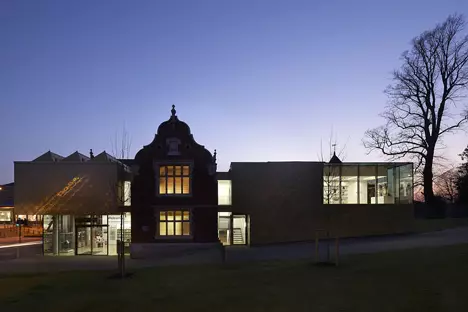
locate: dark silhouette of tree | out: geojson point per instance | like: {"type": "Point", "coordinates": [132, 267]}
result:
{"type": "Point", "coordinates": [446, 185]}
{"type": "Point", "coordinates": [462, 183]}
{"type": "Point", "coordinates": [423, 98]}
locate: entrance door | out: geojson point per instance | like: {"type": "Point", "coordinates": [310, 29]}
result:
{"type": "Point", "coordinates": [83, 240]}
{"type": "Point", "coordinates": [99, 240]}
{"type": "Point", "coordinates": [91, 240]}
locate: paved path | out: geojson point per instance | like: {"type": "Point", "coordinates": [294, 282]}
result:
{"type": "Point", "coordinates": [350, 246]}
{"type": "Point", "coordinates": [36, 264]}
{"type": "Point", "coordinates": [5, 241]}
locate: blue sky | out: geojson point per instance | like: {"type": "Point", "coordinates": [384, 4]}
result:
{"type": "Point", "coordinates": [256, 80]}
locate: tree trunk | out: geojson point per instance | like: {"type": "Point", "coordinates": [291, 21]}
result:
{"type": "Point", "coordinates": [435, 207]}
{"type": "Point", "coordinates": [428, 176]}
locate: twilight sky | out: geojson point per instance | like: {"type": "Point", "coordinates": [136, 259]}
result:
{"type": "Point", "coordinates": [256, 80]}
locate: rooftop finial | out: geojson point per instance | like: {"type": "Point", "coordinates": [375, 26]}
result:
{"type": "Point", "coordinates": [173, 111]}
{"type": "Point", "coordinates": [334, 149]}
{"type": "Point", "coordinates": [214, 156]}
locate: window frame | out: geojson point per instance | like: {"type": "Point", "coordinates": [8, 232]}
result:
{"type": "Point", "coordinates": [174, 221]}
{"type": "Point", "coordinates": [157, 168]}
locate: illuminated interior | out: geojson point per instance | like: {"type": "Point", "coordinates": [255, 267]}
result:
{"type": "Point", "coordinates": [85, 235]}
{"type": "Point", "coordinates": [224, 192]}
{"type": "Point", "coordinates": [127, 193]}
{"type": "Point", "coordinates": [232, 228]}
{"type": "Point", "coordinates": [367, 184]}
{"type": "Point", "coordinates": [5, 216]}
{"type": "Point", "coordinates": [174, 223]}
{"type": "Point", "coordinates": [174, 180]}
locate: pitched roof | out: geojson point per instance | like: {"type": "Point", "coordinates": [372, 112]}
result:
{"type": "Point", "coordinates": [76, 156]}
{"type": "Point", "coordinates": [49, 156]}
{"type": "Point", "coordinates": [104, 156]}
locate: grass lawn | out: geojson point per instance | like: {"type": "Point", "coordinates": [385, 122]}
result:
{"type": "Point", "coordinates": [433, 279]}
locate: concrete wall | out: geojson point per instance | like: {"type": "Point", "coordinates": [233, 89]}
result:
{"type": "Point", "coordinates": [65, 188]}
{"type": "Point", "coordinates": [284, 201]}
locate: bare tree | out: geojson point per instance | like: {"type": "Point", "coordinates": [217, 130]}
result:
{"type": "Point", "coordinates": [121, 145]}
{"type": "Point", "coordinates": [423, 98]}
{"type": "Point", "coordinates": [331, 182]}
{"type": "Point", "coordinates": [445, 185]}
{"type": "Point", "coordinates": [331, 174]}
{"type": "Point", "coordinates": [462, 181]}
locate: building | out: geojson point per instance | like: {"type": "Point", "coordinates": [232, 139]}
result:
{"type": "Point", "coordinates": [7, 203]}
{"type": "Point", "coordinates": [171, 196]}
{"type": "Point", "coordinates": [82, 200]}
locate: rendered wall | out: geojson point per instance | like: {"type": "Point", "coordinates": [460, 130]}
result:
{"type": "Point", "coordinates": [65, 188]}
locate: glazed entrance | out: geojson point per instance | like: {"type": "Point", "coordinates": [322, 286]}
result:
{"type": "Point", "coordinates": [85, 235]}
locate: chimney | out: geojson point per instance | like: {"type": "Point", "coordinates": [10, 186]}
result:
{"type": "Point", "coordinates": [91, 155]}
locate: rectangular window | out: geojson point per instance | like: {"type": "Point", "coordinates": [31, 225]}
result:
{"type": "Point", "coordinates": [127, 193]}
{"type": "Point", "coordinates": [174, 180]}
{"type": "Point", "coordinates": [224, 192]}
{"type": "Point", "coordinates": [174, 223]}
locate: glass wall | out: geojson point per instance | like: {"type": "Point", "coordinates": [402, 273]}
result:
{"type": "Point", "coordinates": [406, 183]}
{"type": "Point", "coordinates": [331, 184]}
{"type": "Point", "coordinates": [85, 235]}
{"type": "Point", "coordinates": [59, 234]}
{"type": "Point", "coordinates": [349, 185]}
{"type": "Point", "coordinates": [368, 183]}
{"type": "Point", "coordinates": [115, 231]}
{"type": "Point", "coordinates": [385, 184]}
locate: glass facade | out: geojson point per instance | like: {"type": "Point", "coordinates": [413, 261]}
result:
{"type": "Point", "coordinates": [85, 235]}
{"type": "Point", "coordinates": [331, 184]}
{"type": "Point", "coordinates": [5, 216]}
{"type": "Point", "coordinates": [381, 183]}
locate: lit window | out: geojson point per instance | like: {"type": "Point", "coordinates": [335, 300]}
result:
{"type": "Point", "coordinates": [174, 180]}
{"type": "Point", "coordinates": [224, 192]}
{"type": "Point", "coordinates": [127, 193]}
{"type": "Point", "coordinates": [174, 223]}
